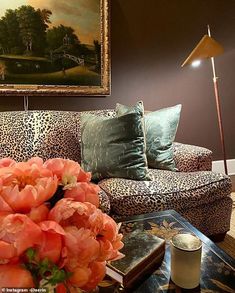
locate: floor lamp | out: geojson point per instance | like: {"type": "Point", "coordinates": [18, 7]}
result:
{"type": "Point", "coordinates": [209, 48]}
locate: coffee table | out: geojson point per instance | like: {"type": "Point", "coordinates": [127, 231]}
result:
{"type": "Point", "coordinates": [217, 268]}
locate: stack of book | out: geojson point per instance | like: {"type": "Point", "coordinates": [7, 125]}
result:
{"type": "Point", "coordinates": [143, 252]}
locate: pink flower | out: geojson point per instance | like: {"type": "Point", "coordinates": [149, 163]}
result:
{"type": "Point", "coordinates": [84, 176]}
{"type": "Point", "coordinates": [15, 276]}
{"type": "Point", "coordinates": [75, 235]}
{"type": "Point", "coordinates": [82, 247]}
{"type": "Point", "coordinates": [17, 233]}
{"type": "Point", "coordinates": [68, 212]}
{"type": "Point", "coordinates": [6, 176]}
{"type": "Point", "coordinates": [110, 240]}
{"type": "Point", "coordinates": [7, 162]}
{"type": "Point", "coordinates": [84, 192]}
{"type": "Point", "coordinates": [4, 206]}
{"type": "Point", "coordinates": [87, 278]}
{"type": "Point", "coordinates": [26, 185]}
{"type": "Point", "coordinates": [67, 171]}
{"type": "Point", "coordinates": [80, 276]}
{"type": "Point", "coordinates": [98, 270]}
{"type": "Point", "coordinates": [52, 241]}
{"type": "Point", "coordinates": [39, 213]}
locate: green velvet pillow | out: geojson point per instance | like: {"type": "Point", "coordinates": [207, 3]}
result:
{"type": "Point", "coordinates": [160, 131]}
{"type": "Point", "coordinates": [114, 147]}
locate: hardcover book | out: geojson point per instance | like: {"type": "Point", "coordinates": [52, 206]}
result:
{"type": "Point", "coordinates": [143, 254]}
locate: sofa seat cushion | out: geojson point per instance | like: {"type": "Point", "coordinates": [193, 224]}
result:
{"type": "Point", "coordinates": [167, 190]}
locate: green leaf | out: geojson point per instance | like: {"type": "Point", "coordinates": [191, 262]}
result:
{"type": "Point", "coordinates": [45, 270]}
{"type": "Point", "coordinates": [30, 253]}
{"type": "Point", "coordinates": [45, 262]}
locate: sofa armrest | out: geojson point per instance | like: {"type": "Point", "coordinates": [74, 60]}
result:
{"type": "Point", "coordinates": [190, 158]}
{"type": "Point", "coordinates": [104, 202]}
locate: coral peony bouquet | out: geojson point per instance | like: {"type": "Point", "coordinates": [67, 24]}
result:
{"type": "Point", "coordinates": [52, 233]}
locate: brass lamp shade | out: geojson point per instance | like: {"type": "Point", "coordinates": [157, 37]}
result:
{"type": "Point", "coordinates": [206, 48]}
{"type": "Point", "coordinates": [209, 48]}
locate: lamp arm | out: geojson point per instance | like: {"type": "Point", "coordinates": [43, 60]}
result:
{"type": "Point", "coordinates": [218, 108]}
{"type": "Point", "coordinates": [219, 114]}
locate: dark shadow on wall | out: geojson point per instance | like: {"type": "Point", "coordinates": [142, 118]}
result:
{"type": "Point", "coordinates": [149, 41]}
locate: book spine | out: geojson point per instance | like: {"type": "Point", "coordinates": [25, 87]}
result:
{"type": "Point", "coordinates": [146, 268]}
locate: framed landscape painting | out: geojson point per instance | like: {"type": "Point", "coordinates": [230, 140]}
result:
{"type": "Point", "coordinates": [54, 48]}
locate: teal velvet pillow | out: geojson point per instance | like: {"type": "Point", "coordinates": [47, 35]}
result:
{"type": "Point", "coordinates": [114, 147]}
{"type": "Point", "coordinates": [160, 131]}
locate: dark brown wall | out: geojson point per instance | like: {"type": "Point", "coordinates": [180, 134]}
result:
{"type": "Point", "coordinates": [150, 39]}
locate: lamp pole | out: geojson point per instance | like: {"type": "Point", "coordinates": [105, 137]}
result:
{"type": "Point", "coordinates": [218, 107]}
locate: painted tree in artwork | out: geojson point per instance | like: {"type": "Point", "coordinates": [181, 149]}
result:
{"type": "Point", "coordinates": [61, 36]}
{"type": "Point", "coordinates": [23, 30]}
{"type": "Point", "coordinates": [3, 37]}
{"type": "Point", "coordinates": [32, 29]}
{"type": "Point", "coordinates": [13, 40]}
{"type": "Point", "coordinates": [10, 41]}
{"type": "Point", "coordinates": [34, 50]}
{"type": "Point", "coordinates": [45, 14]}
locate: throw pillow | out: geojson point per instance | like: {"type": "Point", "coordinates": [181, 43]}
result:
{"type": "Point", "coordinates": [160, 131]}
{"type": "Point", "coordinates": [114, 147]}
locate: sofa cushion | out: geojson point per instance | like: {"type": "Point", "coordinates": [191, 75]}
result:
{"type": "Point", "coordinates": [160, 131]}
{"type": "Point", "coordinates": [167, 190]}
{"type": "Point", "coordinates": [114, 147]}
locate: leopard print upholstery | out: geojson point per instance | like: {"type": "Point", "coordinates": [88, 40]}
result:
{"type": "Point", "coordinates": [180, 191]}
{"type": "Point", "coordinates": [47, 134]}
{"type": "Point", "coordinates": [206, 218]}
{"type": "Point", "coordinates": [50, 134]}
{"type": "Point", "coordinates": [189, 158]}
{"type": "Point", "coordinates": [104, 202]}
{"type": "Point", "coordinates": [210, 220]}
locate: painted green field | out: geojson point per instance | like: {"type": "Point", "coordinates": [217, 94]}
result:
{"type": "Point", "coordinates": [21, 57]}
{"type": "Point", "coordinates": [79, 75]}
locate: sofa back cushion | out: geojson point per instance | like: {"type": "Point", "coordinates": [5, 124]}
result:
{"type": "Point", "coordinates": [160, 131]}
{"type": "Point", "coordinates": [47, 134]}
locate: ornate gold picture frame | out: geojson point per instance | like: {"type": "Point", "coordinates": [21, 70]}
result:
{"type": "Point", "coordinates": [54, 48]}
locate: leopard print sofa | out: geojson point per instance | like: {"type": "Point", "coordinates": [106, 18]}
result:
{"type": "Point", "coordinates": [198, 194]}
{"type": "Point", "coordinates": [184, 192]}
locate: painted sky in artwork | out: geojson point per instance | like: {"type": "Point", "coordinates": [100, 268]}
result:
{"type": "Point", "coordinates": [82, 15]}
